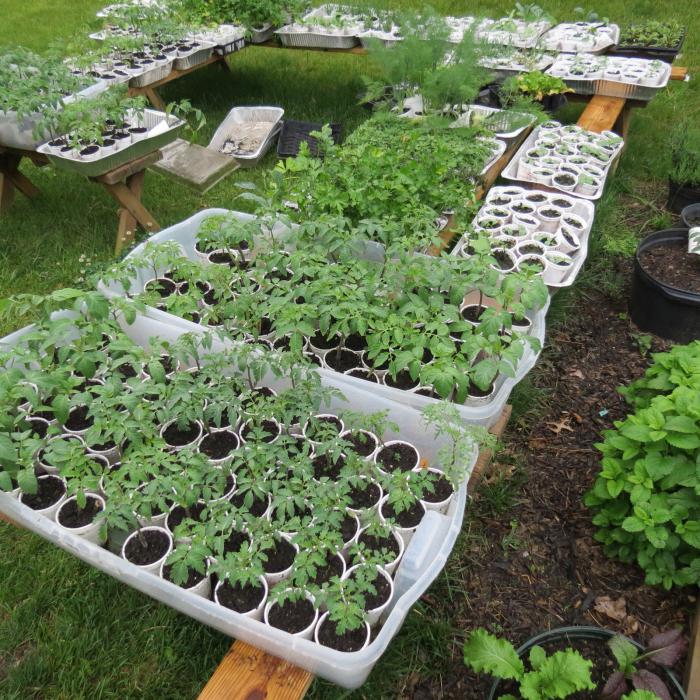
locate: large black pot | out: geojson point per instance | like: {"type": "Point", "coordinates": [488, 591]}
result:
{"type": "Point", "coordinates": [657, 307]}
{"type": "Point", "coordinates": [680, 195]}
{"type": "Point", "coordinates": [592, 633]}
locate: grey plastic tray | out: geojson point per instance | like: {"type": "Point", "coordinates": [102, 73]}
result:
{"type": "Point", "coordinates": [93, 168]}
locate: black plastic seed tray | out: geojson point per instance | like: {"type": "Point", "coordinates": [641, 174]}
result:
{"type": "Point", "coordinates": [667, 54]}
{"type": "Point", "coordinates": [295, 133]}
{"type": "Point", "coordinates": [230, 47]}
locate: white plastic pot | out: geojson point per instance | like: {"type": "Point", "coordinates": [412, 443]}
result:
{"type": "Point", "coordinates": [438, 506]}
{"type": "Point", "coordinates": [89, 532]}
{"type": "Point", "coordinates": [324, 617]}
{"type": "Point", "coordinates": [203, 588]}
{"type": "Point", "coordinates": [405, 533]}
{"type": "Point", "coordinates": [556, 271]}
{"type": "Point", "coordinates": [322, 415]}
{"type": "Point", "coordinates": [257, 612]}
{"type": "Point", "coordinates": [359, 512]}
{"type": "Point", "coordinates": [372, 437]}
{"type": "Point", "coordinates": [276, 576]}
{"type": "Point", "coordinates": [48, 468]}
{"type": "Point", "coordinates": [177, 448]}
{"type": "Point", "coordinates": [307, 632]}
{"type": "Point", "coordinates": [374, 615]}
{"type": "Point", "coordinates": [390, 566]}
{"type": "Point", "coordinates": [50, 511]}
{"type": "Point", "coordinates": [389, 443]}
{"type": "Point", "coordinates": [154, 567]}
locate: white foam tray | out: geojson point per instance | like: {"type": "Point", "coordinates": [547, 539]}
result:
{"type": "Point", "coordinates": [423, 559]}
{"type": "Point", "coordinates": [580, 207]}
{"type": "Point", "coordinates": [510, 172]}
{"type": "Point", "coordinates": [580, 37]}
{"type": "Point", "coordinates": [485, 414]}
{"type": "Point", "coordinates": [523, 35]}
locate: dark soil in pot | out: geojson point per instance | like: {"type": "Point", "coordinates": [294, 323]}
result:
{"type": "Point", "coordinates": [38, 427]}
{"type": "Point", "coordinates": [403, 380]}
{"type": "Point", "coordinates": [364, 497]}
{"type": "Point", "coordinates": [89, 150]}
{"type": "Point", "coordinates": [363, 443]}
{"type": "Point", "coordinates": [442, 489]}
{"type": "Point", "coordinates": [361, 373]}
{"type": "Point", "coordinates": [503, 260]}
{"type": "Point", "coordinates": [126, 371]}
{"type": "Point", "coordinates": [473, 313]}
{"type": "Point", "coordinates": [269, 427]}
{"type": "Point", "coordinates": [331, 567]}
{"type": "Point", "coordinates": [153, 547]}
{"type": "Point", "coordinates": [223, 258]}
{"type": "Point", "coordinates": [279, 557]}
{"type": "Point", "coordinates": [72, 516]}
{"type": "Point", "coordinates": [356, 342]}
{"type": "Point", "coordinates": [562, 203]}
{"type": "Point", "coordinates": [228, 485]}
{"type": "Point", "coordinates": [177, 437]}
{"type": "Point", "coordinates": [320, 341]}
{"type": "Point", "coordinates": [383, 591]}
{"type": "Point", "coordinates": [323, 426]}
{"type": "Point", "coordinates": [323, 466]}
{"type": "Point", "coordinates": [49, 491]}
{"type": "Point", "coordinates": [137, 129]}
{"type": "Point", "coordinates": [242, 599]}
{"type": "Point", "coordinates": [257, 507]}
{"type": "Point", "coordinates": [342, 361]}
{"type": "Point", "coordinates": [178, 514]}
{"type": "Point", "coordinates": [292, 616]}
{"type": "Point", "coordinates": [351, 640]}
{"type": "Point", "coordinates": [478, 393]}
{"type": "Point", "coordinates": [408, 518]}
{"type": "Point", "coordinates": [348, 528]}
{"type": "Point", "coordinates": [219, 444]}
{"type": "Point", "coordinates": [193, 577]}
{"type": "Point", "coordinates": [78, 419]}
{"type": "Point", "coordinates": [235, 541]}
{"type": "Point", "coordinates": [672, 264]}
{"type": "Point", "coordinates": [378, 544]}
{"type": "Point", "coordinates": [395, 457]}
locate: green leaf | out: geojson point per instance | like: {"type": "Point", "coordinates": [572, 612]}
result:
{"type": "Point", "coordinates": [684, 442]}
{"type": "Point", "coordinates": [562, 674]}
{"type": "Point", "coordinates": [681, 424]}
{"type": "Point", "coordinates": [537, 656]}
{"type": "Point", "coordinates": [484, 652]}
{"type": "Point", "coordinates": [632, 524]}
{"type": "Point", "coordinates": [624, 652]}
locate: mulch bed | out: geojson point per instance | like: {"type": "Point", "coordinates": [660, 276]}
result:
{"type": "Point", "coordinates": [536, 567]}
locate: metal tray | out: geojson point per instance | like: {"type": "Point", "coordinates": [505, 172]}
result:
{"type": "Point", "coordinates": [196, 57]}
{"type": "Point", "coordinates": [94, 168]}
{"type": "Point", "coordinates": [315, 40]}
{"type": "Point", "coordinates": [510, 172]}
{"type": "Point", "coordinates": [509, 65]}
{"type": "Point", "coordinates": [581, 85]}
{"type": "Point", "coordinates": [497, 153]}
{"type": "Point", "coordinates": [152, 75]}
{"type": "Point", "coordinates": [582, 208]}
{"type": "Point", "coordinates": [242, 115]}
{"type": "Point", "coordinates": [551, 39]}
{"type": "Point", "coordinates": [482, 109]}
{"type": "Point", "coordinates": [262, 34]}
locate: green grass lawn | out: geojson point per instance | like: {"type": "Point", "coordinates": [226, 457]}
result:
{"type": "Point", "coordinates": [69, 632]}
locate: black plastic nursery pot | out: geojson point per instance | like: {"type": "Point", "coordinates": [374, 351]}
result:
{"type": "Point", "coordinates": [658, 307]}
{"type": "Point", "coordinates": [690, 216]}
{"type": "Point", "coordinates": [583, 632]}
{"type": "Point", "coordinates": [294, 133]}
{"type": "Point", "coordinates": [681, 195]}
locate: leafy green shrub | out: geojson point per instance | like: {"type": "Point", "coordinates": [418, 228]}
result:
{"type": "Point", "coordinates": [647, 496]}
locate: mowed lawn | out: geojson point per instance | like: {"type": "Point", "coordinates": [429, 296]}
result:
{"type": "Point", "coordinates": [68, 632]}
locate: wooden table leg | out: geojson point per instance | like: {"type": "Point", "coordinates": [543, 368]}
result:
{"type": "Point", "coordinates": [131, 212]}
{"type": "Point", "coordinates": [623, 121]}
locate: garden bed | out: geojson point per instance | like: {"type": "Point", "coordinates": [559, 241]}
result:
{"type": "Point", "coordinates": [515, 589]}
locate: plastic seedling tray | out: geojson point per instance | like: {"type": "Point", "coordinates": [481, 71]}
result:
{"type": "Point", "coordinates": [480, 111]}
{"type": "Point", "coordinates": [226, 38]}
{"type": "Point", "coordinates": [512, 63]}
{"type": "Point", "coordinates": [152, 75]}
{"type": "Point", "coordinates": [580, 37]}
{"type": "Point", "coordinates": [515, 169]}
{"type": "Point", "coordinates": [423, 559]}
{"type": "Point", "coordinates": [195, 57]}
{"type": "Point", "coordinates": [512, 32]}
{"type": "Point", "coordinates": [667, 54]}
{"type": "Point", "coordinates": [162, 130]}
{"type": "Point", "coordinates": [612, 76]}
{"type": "Point", "coordinates": [311, 36]}
{"type": "Point", "coordinates": [580, 208]}
{"type": "Point", "coordinates": [294, 133]}
{"type": "Point", "coordinates": [482, 412]}
{"type": "Point", "coordinates": [239, 118]}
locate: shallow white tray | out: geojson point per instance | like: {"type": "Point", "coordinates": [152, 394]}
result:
{"type": "Point", "coordinates": [463, 120]}
{"type": "Point", "coordinates": [564, 37]}
{"type": "Point", "coordinates": [580, 207]}
{"type": "Point", "coordinates": [242, 115]}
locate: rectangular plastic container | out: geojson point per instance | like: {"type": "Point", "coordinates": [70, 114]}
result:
{"type": "Point", "coordinates": [483, 412]}
{"type": "Point", "coordinates": [481, 110]}
{"type": "Point", "coordinates": [423, 559]}
{"type": "Point", "coordinates": [580, 37]}
{"type": "Point", "coordinates": [195, 57]}
{"type": "Point", "coordinates": [162, 131]}
{"type": "Point", "coordinates": [667, 54]}
{"type": "Point", "coordinates": [296, 36]}
{"type": "Point", "coordinates": [245, 115]}
{"type": "Point", "coordinates": [582, 208]}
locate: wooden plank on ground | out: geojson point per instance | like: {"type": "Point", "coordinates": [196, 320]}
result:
{"type": "Point", "coordinates": [692, 666]}
{"type": "Point", "coordinates": [679, 72]}
{"type": "Point", "coordinates": [247, 673]}
{"type": "Point", "coordinates": [602, 113]}
{"type": "Point", "coordinates": [485, 456]}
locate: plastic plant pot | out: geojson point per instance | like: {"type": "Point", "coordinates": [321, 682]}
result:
{"type": "Point", "coordinates": [691, 215]}
{"type": "Point", "coordinates": [589, 633]}
{"type": "Point", "coordinates": [657, 307]}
